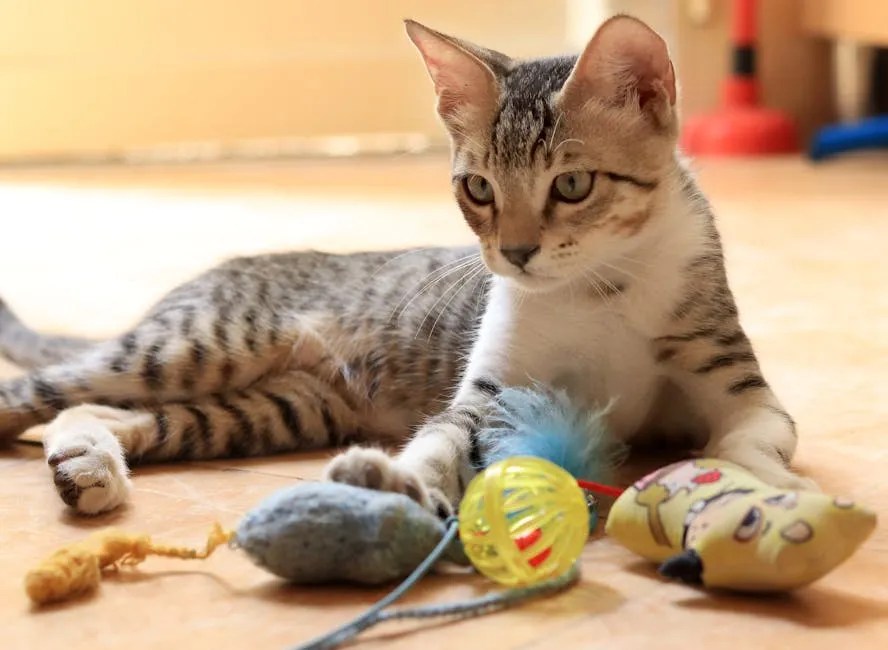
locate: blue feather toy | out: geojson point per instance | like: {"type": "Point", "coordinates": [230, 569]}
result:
{"type": "Point", "coordinates": [544, 423]}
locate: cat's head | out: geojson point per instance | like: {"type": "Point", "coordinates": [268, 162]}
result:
{"type": "Point", "coordinates": [557, 162]}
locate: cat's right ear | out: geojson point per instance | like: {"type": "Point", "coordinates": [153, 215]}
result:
{"type": "Point", "coordinates": [625, 64]}
{"type": "Point", "coordinates": [463, 74]}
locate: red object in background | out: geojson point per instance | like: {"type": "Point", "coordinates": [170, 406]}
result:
{"type": "Point", "coordinates": [741, 126]}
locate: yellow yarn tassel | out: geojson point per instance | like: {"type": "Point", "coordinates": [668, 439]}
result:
{"type": "Point", "coordinates": [78, 568]}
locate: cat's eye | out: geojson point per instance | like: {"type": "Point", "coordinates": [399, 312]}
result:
{"type": "Point", "coordinates": [750, 526]}
{"type": "Point", "coordinates": [479, 189]}
{"type": "Point", "coordinates": [572, 187]}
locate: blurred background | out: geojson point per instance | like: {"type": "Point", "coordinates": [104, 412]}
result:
{"type": "Point", "coordinates": [209, 79]}
{"type": "Point", "coordinates": [142, 141]}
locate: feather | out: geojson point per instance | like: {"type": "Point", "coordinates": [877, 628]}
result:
{"type": "Point", "coordinates": [544, 423]}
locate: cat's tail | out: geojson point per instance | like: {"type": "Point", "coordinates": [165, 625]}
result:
{"type": "Point", "coordinates": [29, 349]}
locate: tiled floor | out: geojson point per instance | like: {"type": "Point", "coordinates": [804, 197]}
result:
{"type": "Point", "coordinates": [86, 252]}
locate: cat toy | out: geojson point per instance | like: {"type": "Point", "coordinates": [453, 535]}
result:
{"type": "Point", "coordinates": [711, 523]}
{"type": "Point", "coordinates": [523, 522]}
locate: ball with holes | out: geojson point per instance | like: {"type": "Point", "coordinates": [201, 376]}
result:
{"type": "Point", "coordinates": [523, 520]}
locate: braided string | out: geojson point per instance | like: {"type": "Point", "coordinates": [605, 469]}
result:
{"type": "Point", "coordinates": [465, 609]}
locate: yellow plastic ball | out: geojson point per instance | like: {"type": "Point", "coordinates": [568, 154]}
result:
{"type": "Point", "coordinates": [523, 520]}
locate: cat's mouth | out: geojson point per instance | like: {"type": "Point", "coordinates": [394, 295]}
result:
{"type": "Point", "coordinates": [528, 279]}
{"type": "Point", "coordinates": [534, 281]}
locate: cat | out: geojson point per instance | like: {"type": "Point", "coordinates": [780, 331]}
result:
{"type": "Point", "coordinates": [598, 269]}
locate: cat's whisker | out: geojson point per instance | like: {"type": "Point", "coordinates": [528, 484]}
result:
{"type": "Point", "coordinates": [642, 284]}
{"type": "Point", "coordinates": [554, 131]}
{"type": "Point", "coordinates": [610, 285]}
{"type": "Point", "coordinates": [595, 281]}
{"type": "Point", "coordinates": [431, 280]}
{"type": "Point", "coordinates": [445, 267]}
{"type": "Point", "coordinates": [462, 269]}
{"type": "Point", "coordinates": [425, 289]}
{"type": "Point", "coordinates": [481, 290]}
{"type": "Point", "coordinates": [622, 271]}
{"type": "Point", "coordinates": [634, 260]}
{"type": "Point", "coordinates": [567, 141]}
{"type": "Point", "coordinates": [466, 137]}
{"type": "Point", "coordinates": [522, 297]}
{"type": "Point", "coordinates": [594, 284]}
{"type": "Point", "coordinates": [467, 273]}
{"type": "Point", "coordinates": [400, 256]}
{"type": "Point", "coordinates": [468, 278]}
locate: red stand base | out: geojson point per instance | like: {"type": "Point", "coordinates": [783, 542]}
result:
{"type": "Point", "coordinates": [747, 131]}
{"type": "Point", "coordinates": [740, 128]}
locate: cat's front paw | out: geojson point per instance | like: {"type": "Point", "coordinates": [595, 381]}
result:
{"type": "Point", "coordinates": [376, 470]}
{"type": "Point", "coordinates": [769, 468]}
{"type": "Point", "coordinates": [785, 479]}
{"type": "Point", "coordinates": [87, 462]}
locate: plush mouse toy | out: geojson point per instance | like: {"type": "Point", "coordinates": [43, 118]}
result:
{"type": "Point", "coordinates": [314, 533]}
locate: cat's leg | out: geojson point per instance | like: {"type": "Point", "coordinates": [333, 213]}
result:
{"type": "Point", "coordinates": [720, 375]}
{"type": "Point", "coordinates": [441, 458]}
{"type": "Point", "coordinates": [436, 464]}
{"type": "Point", "coordinates": [179, 356]}
{"type": "Point", "coordinates": [88, 447]}
{"type": "Point", "coordinates": [29, 349]}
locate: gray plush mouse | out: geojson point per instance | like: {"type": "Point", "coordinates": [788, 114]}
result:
{"type": "Point", "coordinates": [315, 533]}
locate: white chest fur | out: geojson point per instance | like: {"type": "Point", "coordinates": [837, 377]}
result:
{"type": "Point", "coordinates": [598, 347]}
{"type": "Point", "coordinates": [582, 343]}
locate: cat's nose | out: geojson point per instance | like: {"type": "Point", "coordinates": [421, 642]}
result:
{"type": "Point", "coordinates": [519, 255]}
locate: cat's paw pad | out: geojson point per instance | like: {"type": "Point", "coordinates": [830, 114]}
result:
{"type": "Point", "coordinates": [87, 461]}
{"type": "Point", "coordinates": [376, 470]}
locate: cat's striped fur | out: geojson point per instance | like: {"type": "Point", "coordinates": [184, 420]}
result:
{"type": "Point", "coordinates": [261, 355]}
{"type": "Point", "coordinates": [619, 294]}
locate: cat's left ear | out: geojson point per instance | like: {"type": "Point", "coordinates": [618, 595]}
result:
{"type": "Point", "coordinates": [464, 75]}
{"type": "Point", "coordinates": [625, 63]}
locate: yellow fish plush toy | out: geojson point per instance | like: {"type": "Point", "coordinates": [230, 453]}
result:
{"type": "Point", "coordinates": [713, 523]}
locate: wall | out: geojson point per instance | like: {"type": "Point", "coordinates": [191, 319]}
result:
{"type": "Point", "coordinates": [106, 77]}
{"type": "Point", "coordinates": [89, 78]}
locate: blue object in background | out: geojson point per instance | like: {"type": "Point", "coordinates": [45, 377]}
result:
{"type": "Point", "coordinates": [871, 133]}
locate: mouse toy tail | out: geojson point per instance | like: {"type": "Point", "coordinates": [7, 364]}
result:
{"type": "Point", "coordinates": [77, 569]}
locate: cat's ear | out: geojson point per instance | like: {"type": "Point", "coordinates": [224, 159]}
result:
{"type": "Point", "coordinates": [626, 62]}
{"type": "Point", "coordinates": [464, 75]}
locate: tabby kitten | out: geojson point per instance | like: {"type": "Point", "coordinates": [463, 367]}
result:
{"type": "Point", "coordinates": [607, 280]}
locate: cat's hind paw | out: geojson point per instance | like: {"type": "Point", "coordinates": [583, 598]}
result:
{"type": "Point", "coordinates": [87, 462]}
